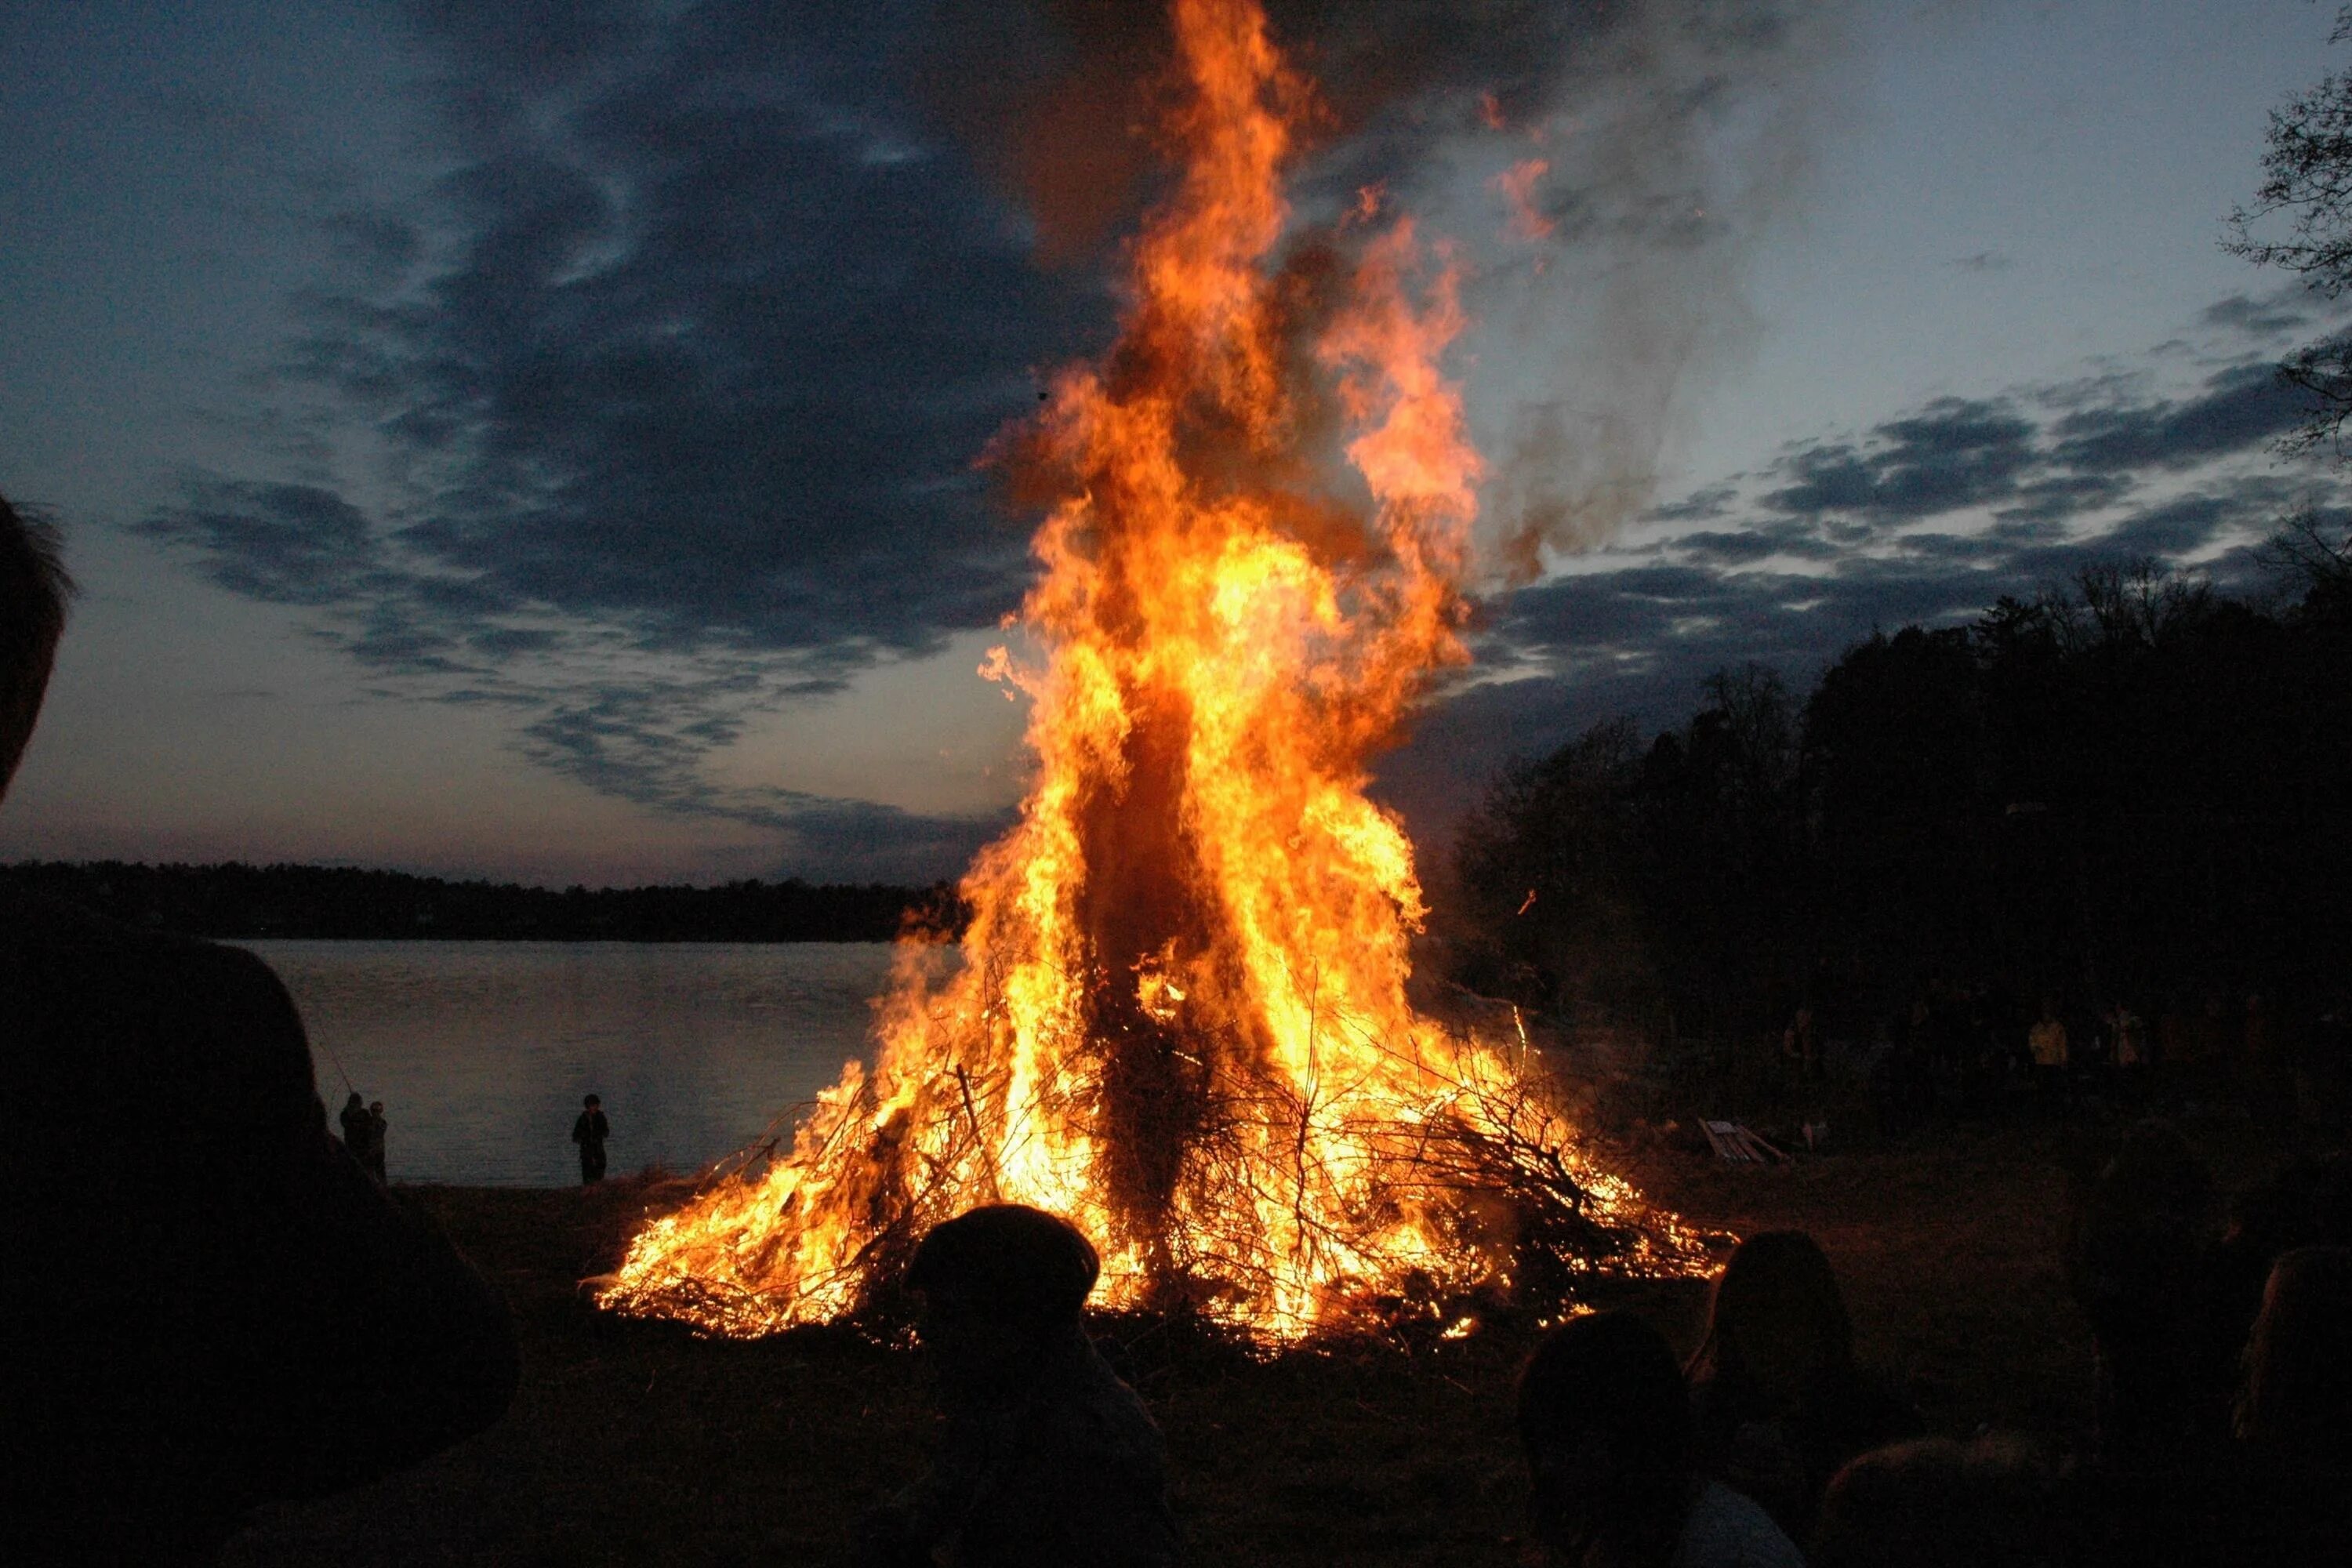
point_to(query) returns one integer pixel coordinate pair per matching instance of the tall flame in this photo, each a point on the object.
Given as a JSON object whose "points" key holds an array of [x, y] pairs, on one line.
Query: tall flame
{"points": [[1181, 1021]]}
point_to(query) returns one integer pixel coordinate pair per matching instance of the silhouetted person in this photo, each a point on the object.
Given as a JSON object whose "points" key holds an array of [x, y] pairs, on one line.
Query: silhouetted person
{"points": [[2325, 1068], [2306, 1202], [589, 1130], [378, 1129], [2297, 1405], [1606, 1427], [1936, 1503], [1800, 1046], [2136, 1261], [269, 1323], [2270, 1091], [359, 1128], [2294, 1416], [2046, 1043], [1047, 1459], [1778, 1401], [2128, 1050]]}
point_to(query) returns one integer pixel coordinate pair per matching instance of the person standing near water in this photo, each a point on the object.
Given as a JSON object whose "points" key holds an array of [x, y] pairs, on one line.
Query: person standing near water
{"points": [[590, 1131], [358, 1130], [377, 1128]]}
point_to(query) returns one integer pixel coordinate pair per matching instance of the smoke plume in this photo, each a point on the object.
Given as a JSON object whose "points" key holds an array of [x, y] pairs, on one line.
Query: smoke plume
{"points": [[1603, 169]]}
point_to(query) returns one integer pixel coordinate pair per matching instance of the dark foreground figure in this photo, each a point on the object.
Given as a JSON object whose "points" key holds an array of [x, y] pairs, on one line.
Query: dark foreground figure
{"points": [[1778, 1400], [1614, 1483], [203, 1312], [1047, 1460]]}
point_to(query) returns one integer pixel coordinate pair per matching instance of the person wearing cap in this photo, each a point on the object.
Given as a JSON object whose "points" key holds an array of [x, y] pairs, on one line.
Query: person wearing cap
{"points": [[1047, 1459]]}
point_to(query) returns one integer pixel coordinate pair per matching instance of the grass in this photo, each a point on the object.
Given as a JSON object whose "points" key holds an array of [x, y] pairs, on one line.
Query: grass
{"points": [[639, 1443]]}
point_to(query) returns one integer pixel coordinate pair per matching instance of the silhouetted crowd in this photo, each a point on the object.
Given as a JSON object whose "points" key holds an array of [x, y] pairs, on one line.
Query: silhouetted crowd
{"points": [[2225, 1432], [1967, 1049], [2225, 1406]]}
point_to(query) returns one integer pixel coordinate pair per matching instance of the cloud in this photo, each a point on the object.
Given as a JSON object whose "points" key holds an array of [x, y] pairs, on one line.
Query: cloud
{"points": [[1984, 261], [1954, 453], [2037, 460], [645, 743], [283, 543], [1702, 505], [658, 390], [701, 353], [2239, 409], [2286, 311]]}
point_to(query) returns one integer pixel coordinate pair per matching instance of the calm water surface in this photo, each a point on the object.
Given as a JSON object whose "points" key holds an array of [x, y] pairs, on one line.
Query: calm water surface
{"points": [[480, 1050]]}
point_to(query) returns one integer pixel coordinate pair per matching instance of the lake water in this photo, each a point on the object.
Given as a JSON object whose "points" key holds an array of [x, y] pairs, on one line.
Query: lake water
{"points": [[480, 1050]]}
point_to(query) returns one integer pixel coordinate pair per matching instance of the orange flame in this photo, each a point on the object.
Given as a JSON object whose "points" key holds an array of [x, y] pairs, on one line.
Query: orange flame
{"points": [[1181, 1020]]}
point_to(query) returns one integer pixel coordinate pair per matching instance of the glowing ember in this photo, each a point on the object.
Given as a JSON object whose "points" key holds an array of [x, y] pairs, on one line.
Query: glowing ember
{"points": [[1181, 1021]]}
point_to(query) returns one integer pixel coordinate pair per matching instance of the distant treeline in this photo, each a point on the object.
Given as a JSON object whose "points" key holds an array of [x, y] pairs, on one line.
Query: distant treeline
{"points": [[237, 900], [2135, 788]]}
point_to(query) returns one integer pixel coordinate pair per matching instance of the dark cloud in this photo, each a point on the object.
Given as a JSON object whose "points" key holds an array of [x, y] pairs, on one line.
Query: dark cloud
{"points": [[713, 336], [646, 742], [2174, 528], [1786, 537], [697, 336], [1954, 453], [2038, 461], [1985, 261], [678, 367], [2287, 312], [377, 246], [1702, 505], [2239, 409], [286, 544], [2043, 506]]}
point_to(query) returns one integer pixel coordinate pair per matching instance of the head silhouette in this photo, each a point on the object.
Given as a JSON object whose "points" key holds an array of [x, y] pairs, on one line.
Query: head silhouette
{"points": [[1606, 1426], [1936, 1503], [1777, 1323], [1003, 1287], [2298, 1400], [34, 591], [1005, 1261], [591, 1103]]}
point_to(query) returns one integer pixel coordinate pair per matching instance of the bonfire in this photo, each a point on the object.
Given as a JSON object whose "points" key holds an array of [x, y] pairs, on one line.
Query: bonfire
{"points": [[1181, 1020]]}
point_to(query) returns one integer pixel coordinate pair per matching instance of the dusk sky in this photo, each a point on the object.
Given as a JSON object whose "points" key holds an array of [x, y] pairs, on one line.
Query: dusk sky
{"points": [[538, 440]]}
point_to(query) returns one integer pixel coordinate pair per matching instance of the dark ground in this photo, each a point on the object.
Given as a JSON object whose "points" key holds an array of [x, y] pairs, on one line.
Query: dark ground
{"points": [[635, 1443]]}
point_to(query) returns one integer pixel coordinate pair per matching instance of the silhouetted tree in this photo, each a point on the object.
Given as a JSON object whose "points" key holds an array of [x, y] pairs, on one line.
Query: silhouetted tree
{"points": [[2307, 173], [2131, 786], [1544, 861]]}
